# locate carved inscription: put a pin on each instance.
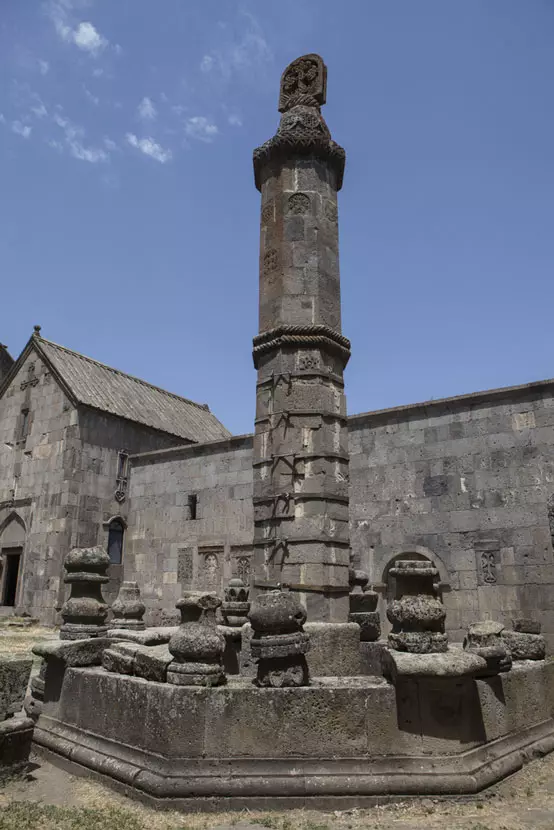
(243, 569)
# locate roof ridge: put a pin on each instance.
(203, 406)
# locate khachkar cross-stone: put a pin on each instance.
(301, 533)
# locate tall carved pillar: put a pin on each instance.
(301, 533)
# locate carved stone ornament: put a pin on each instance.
(418, 616)
(298, 204)
(304, 81)
(363, 605)
(84, 613)
(235, 607)
(279, 642)
(197, 646)
(302, 131)
(128, 609)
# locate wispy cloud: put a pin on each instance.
(146, 110)
(235, 120)
(21, 129)
(149, 147)
(241, 48)
(94, 99)
(200, 128)
(44, 67)
(73, 137)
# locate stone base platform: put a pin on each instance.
(239, 746)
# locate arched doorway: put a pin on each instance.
(12, 541)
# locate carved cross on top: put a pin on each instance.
(303, 83)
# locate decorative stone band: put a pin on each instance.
(284, 146)
(301, 336)
(303, 587)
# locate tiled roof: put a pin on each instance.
(101, 387)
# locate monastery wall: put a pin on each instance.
(167, 550)
(465, 482)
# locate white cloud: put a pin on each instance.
(97, 73)
(2, 118)
(109, 144)
(146, 110)
(84, 35)
(207, 63)
(235, 120)
(200, 128)
(21, 129)
(149, 147)
(39, 110)
(43, 66)
(74, 136)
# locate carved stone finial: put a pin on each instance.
(235, 607)
(197, 646)
(84, 613)
(128, 609)
(304, 82)
(36, 329)
(418, 615)
(278, 640)
(363, 605)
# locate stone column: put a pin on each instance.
(301, 532)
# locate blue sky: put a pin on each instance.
(129, 217)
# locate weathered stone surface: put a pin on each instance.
(75, 652)
(418, 616)
(149, 637)
(524, 646)
(334, 649)
(278, 641)
(84, 613)
(128, 609)
(152, 662)
(235, 607)
(484, 639)
(197, 646)
(119, 661)
(16, 735)
(363, 604)
(455, 662)
(526, 625)
(14, 677)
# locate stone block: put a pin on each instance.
(334, 649)
(151, 662)
(75, 653)
(14, 677)
(16, 735)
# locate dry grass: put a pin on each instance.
(18, 642)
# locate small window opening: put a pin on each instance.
(24, 426)
(122, 458)
(115, 541)
(193, 504)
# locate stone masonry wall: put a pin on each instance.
(32, 474)
(465, 482)
(167, 551)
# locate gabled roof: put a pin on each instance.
(6, 362)
(96, 385)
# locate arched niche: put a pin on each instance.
(420, 553)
